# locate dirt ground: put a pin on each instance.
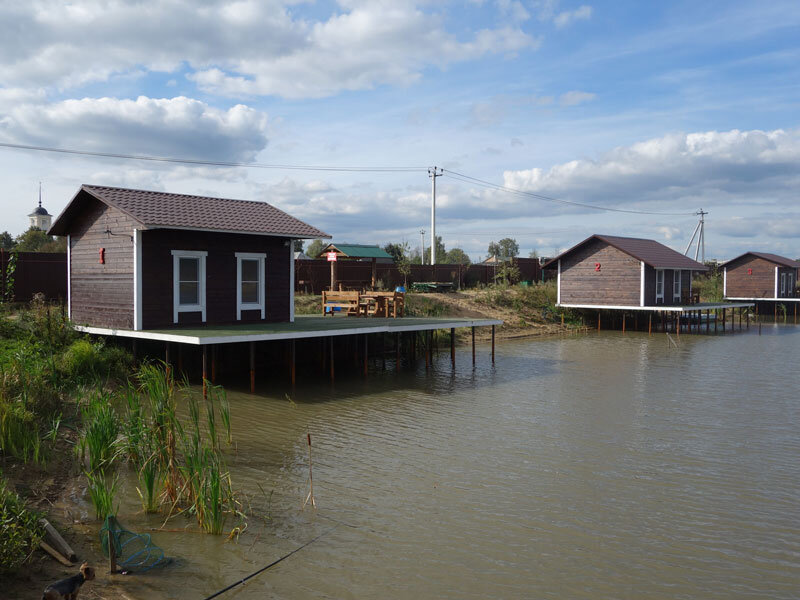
(55, 491)
(464, 304)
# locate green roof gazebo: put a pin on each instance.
(356, 252)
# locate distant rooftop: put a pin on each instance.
(651, 252)
(357, 251)
(773, 258)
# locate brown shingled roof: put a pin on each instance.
(651, 252)
(773, 258)
(180, 211)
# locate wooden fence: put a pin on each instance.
(313, 276)
(23, 274)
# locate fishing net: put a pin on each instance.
(134, 551)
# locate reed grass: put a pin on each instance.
(224, 411)
(102, 491)
(100, 438)
(149, 480)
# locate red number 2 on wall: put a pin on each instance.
(596, 266)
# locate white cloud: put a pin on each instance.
(563, 19)
(250, 47)
(575, 97)
(162, 127)
(696, 169)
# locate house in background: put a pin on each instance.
(605, 271)
(760, 276)
(360, 252)
(147, 260)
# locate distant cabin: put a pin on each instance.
(605, 271)
(759, 276)
(149, 260)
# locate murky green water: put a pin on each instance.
(604, 466)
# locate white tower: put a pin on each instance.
(40, 218)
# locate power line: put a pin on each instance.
(502, 188)
(211, 163)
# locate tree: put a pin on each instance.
(59, 244)
(315, 248)
(534, 254)
(403, 263)
(458, 256)
(7, 241)
(32, 240)
(298, 245)
(441, 252)
(398, 251)
(505, 248)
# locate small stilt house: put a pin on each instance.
(150, 260)
(606, 271)
(760, 276)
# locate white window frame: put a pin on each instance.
(783, 284)
(660, 274)
(200, 307)
(676, 285)
(262, 275)
(790, 285)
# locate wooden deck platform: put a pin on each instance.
(678, 308)
(304, 326)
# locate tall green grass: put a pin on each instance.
(102, 491)
(20, 530)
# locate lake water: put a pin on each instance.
(597, 466)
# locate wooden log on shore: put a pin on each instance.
(54, 539)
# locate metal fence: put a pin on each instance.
(25, 274)
(313, 276)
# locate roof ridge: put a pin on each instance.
(124, 189)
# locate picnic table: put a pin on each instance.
(364, 304)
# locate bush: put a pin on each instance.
(20, 530)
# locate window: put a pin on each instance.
(250, 283)
(783, 284)
(660, 286)
(189, 282)
(790, 285)
(676, 285)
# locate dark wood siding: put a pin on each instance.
(649, 285)
(102, 294)
(157, 287)
(616, 283)
(758, 283)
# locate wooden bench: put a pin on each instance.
(348, 301)
(384, 304)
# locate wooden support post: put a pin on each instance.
(623, 322)
(366, 354)
(397, 351)
(205, 371)
(795, 313)
(650, 325)
(331, 358)
(252, 367)
(428, 350)
(747, 316)
(214, 364)
(473, 346)
(708, 321)
(167, 362)
(776, 311)
(724, 310)
(324, 354)
(598, 320)
(678, 326)
(112, 553)
(493, 344)
(180, 361)
(453, 347)
(383, 352)
(716, 319)
(135, 349)
(293, 362)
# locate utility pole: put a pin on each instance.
(433, 173)
(701, 238)
(422, 246)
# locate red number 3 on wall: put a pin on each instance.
(596, 266)
(749, 271)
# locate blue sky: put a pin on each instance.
(639, 106)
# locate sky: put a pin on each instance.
(652, 109)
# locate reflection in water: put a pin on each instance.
(605, 466)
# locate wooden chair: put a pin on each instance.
(349, 301)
